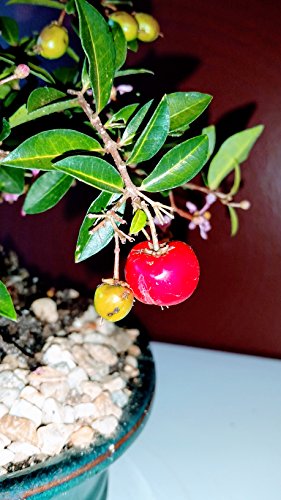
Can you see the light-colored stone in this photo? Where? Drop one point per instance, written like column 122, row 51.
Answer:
column 45, row 374
column 56, row 390
column 22, row 374
column 6, row 456
column 11, row 361
column 68, row 414
column 106, row 327
column 131, row 371
column 8, row 396
column 53, row 437
column 75, row 338
column 18, row 429
column 85, row 411
column 101, row 354
column 3, row 409
column 120, row 341
column 52, row 412
column 133, row 333
column 23, row 408
column 55, row 354
column 45, row 309
column 32, row 395
column 106, row 425
column 94, row 338
column 114, row 383
column 134, row 350
column 22, row 451
column 95, row 370
column 3, row 471
column 9, row 380
column 89, row 316
column 104, row 406
column 76, row 377
column 4, row 441
column 83, row 437
column 120, row 398
column 92, row 389
column 132, row 361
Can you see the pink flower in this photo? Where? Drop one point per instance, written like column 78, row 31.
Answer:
column 201, row 217
column 9, row 197
column 164, row 224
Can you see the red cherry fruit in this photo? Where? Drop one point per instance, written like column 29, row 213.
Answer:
column 164, row 278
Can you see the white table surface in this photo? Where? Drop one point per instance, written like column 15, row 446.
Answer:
column 214, row 432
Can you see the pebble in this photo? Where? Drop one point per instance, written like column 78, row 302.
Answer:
column 23, row 408
column 114, row 383
column 84, row 411
column 3, row 409
column 52, row 412
column 56, row 354
column 8, row 396
column 106, row 426
column 83, row 437
column 134, row 350
column 76, row 377
column 68, row 414
column 104, row 406
column 3, row 471
column 6, row 456
column 4, row 441
column 120, row 341
column 32, row 395
column 22, row 451
column 9, row 380
column 53, row 437
column 56, row 390
column 120, row 398
column 11, row 361
column 18, row 429
column 92, row 389
column 102, row 354
column 45, row 309
column 44, row 374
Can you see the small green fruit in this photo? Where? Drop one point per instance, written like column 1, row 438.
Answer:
column 128, row 24
column 53, row 41
column 149, row 28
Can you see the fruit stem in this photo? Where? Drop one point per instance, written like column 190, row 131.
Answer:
column 153, row 231
column 116, row 257
column 177, row 210
column 61, row 18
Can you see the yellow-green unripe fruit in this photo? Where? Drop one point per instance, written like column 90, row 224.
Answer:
column 113, row 302
column 53, row 41
column 128, row 24
column 149, row 28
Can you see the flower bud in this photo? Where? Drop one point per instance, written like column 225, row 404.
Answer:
column 22, row 71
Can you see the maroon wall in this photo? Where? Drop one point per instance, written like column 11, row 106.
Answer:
column 232, row 51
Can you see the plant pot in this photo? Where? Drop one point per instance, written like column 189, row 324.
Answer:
column 84, row 474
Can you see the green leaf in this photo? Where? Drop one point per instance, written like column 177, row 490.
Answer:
column 21, row 116
column 5, row 89
column 120, row 45
column 46, row 192
column 11, row 180
column 44, row 3
column 98, row 45
column 89, row 244
column 40, row 72
column 85, row 76
column 132, row 71
column 185, row 107
column 37, row 152
column 211, row 134
column 66, row 74
column 234, row 221
column 153, row 136
column 237, row 180
column 6, row 130
column 178, row 166
column 233, row 151
column 134, row 124
column 122, row 115
column 139, row 222
column 9, row 30
column 8, row 58
column 71, row 53
column 42, row 96
column 133, row 45
column 93, row 171
column 6, row 305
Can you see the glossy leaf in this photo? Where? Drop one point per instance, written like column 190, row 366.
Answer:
column 42, row 96
column 11, row 180
column 233, row 151
column 6, row 130
column 5, row 89
column 40, row 72
column 120, row 45
column 185, row 107
column 132, row 71
column 38, row 151
column 139, row 222
column 122, row 116
column 98, row 45
column 134, row 124
column 178, row 166
column 44, row 3
column 85, row 76
column 237, row 180
column 6, row 305
column 21, row 116
column 46, row 192
column 66, row 75
column 88, row 243
column 153, row 136
column 93, row 171
column 211, row 134
column 9, row 30
column 234, row 221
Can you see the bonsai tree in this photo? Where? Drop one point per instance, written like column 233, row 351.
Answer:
column 136, row 153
